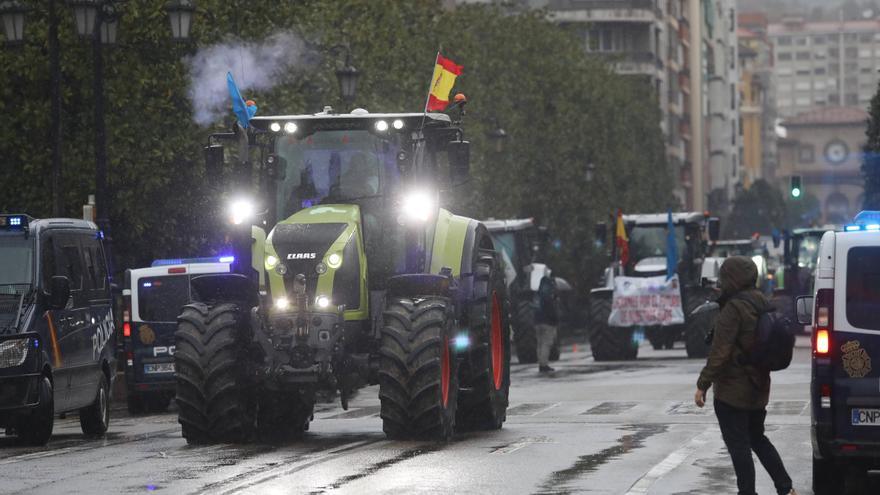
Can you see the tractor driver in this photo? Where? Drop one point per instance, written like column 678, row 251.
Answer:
column 360, row 179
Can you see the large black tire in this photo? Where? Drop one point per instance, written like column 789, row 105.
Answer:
column 828, row 477
column 695, row 328
column 214, row 396
column 524, row 337
column 418, row 386
column 485, row 378
column 656, row 337
column 284, row 416
column 36, row 427
column 609, row 343
column 95, row 419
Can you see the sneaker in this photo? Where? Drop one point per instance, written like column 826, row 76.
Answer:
column 792, row 492
column 545, row 369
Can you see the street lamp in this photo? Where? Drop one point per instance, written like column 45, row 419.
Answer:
column 85, row 12
column 588, row 176
column 12, row 15
column 497, row 136
column 180, row 13
column 347, row 76
column 108, row 26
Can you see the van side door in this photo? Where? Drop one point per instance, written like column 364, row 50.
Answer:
column 61, row 345
column 99, row 325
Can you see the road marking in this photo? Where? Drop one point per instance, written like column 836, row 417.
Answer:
column 519, row 444
column 88, row 445
column 672, row 461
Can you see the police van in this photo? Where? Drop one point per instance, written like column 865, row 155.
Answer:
column 153, row 298
column 844, row 312
column 57, row 332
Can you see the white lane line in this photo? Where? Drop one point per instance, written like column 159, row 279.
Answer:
column 551, row 406
column 672, row 461
column 519, row 444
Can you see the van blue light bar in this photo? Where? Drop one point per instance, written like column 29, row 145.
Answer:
column 856, row 228
column 187, row 261
column 14, row 222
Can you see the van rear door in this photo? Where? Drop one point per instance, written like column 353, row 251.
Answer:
column 855, row 339
column 156, row 303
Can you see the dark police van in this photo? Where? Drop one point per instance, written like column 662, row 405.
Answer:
column 153, row 298
column 57, row 339
column 844, row 312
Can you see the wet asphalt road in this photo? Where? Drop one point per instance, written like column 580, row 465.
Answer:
column 619, row 428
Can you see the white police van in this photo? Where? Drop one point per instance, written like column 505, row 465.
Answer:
column 844, row 312
column 153, row 298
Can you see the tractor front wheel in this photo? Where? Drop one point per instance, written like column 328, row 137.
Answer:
column 696, row 327
column 609, row 343
column 418, row 386
column 215, row 399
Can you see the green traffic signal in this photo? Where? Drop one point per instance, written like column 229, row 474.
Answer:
column 795, row 193
column 795, row 186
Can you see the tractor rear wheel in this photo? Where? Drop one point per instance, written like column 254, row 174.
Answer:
column 486, row 377
column 214, row 396
column 609, row 343
column 418, row 386
column 524, row 337
column 696, row 327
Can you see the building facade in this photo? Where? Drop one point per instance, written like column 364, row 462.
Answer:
column 824, row 147
column 825, row 63
column 757, row 90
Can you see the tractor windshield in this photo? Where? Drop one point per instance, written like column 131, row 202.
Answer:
column 335, row 167
column 649, row 241
column 807, row 250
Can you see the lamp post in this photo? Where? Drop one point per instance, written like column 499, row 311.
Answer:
column 97, row 21
column 497, row 136
column 588, row 174
column 347, row 77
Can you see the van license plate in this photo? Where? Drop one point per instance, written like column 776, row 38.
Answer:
column 159, row 368
column 866, row 417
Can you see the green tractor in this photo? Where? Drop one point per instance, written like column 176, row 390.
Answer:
column 697, row 274
column 361, row 278
column 523, row 245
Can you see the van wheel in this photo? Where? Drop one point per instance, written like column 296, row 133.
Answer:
column 36, row 428
column 827, row 477
column 95, row 418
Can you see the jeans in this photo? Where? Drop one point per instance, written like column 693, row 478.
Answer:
column 545, row 335
column 743, row 432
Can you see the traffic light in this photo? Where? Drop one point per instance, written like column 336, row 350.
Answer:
column 796, row 186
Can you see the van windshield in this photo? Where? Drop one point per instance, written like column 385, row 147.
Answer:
column 160, row 299
column 863, row 287
column 16, row 260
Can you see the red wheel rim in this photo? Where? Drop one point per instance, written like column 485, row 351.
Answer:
column 496, row 342
column 444, row 372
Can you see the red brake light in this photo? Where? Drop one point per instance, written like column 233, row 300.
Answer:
column 825, row 390
column 126, row 329
column 177, row 269
column 822, row 342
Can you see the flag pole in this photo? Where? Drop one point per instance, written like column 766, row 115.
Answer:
column 430, row 87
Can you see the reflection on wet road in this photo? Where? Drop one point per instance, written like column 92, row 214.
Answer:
column 616, row 428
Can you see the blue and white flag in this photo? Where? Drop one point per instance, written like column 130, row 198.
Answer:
column 671, row 247
column 243, row 110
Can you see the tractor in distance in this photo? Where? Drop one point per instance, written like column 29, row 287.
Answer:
column 523, row 246
column 346, row 271
column 647, row 258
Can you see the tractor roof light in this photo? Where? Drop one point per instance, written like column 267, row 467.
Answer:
column 397, row 124
column 381, row 125
column 282, row 303
column 275, row 127
column 323, row 302
column 290, row 127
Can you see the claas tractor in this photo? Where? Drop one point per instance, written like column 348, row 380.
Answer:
column 647, row 247
column 346, row 271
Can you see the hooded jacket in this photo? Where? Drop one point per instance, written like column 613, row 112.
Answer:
column 739, row 385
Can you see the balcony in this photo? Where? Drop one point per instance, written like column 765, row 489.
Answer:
column 633, row 63
column 639, row 11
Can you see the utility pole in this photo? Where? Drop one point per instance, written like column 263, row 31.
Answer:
column 695, row 56
column 55, row 110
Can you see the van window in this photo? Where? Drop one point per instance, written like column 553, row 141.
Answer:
column 863, row 287
column 160, row 298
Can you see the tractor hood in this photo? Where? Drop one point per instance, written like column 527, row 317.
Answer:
column 323, row 243
column 651, row 266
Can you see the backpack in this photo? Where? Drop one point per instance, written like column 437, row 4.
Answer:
column 774, row 340
column 545, row 304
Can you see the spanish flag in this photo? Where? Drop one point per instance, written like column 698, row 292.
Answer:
column 622, row 240
column 445, row 72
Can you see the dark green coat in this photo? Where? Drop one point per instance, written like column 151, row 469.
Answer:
column 738, row 385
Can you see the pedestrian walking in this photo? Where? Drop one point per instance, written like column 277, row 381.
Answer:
column 546, row 319
column 741, row 390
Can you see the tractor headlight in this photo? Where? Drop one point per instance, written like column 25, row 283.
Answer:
column 282, row 303
column 271, row 262
column 13, row 352
column 418, row 205
column 241, row 210
column 334, row 261
column 323, row 302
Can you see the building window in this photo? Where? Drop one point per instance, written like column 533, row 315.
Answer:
column 852, row 52
column 866, row 70
column 802, row 101
column 819, row 70
column 800, row 41
column 802, row 86
column 806, row 153
column 803, row 55
column 803, row 72
column 784, row 57
column 819, row 40
column 784, row 41
column 865, row 38
column 865, row 53
column 852, row 99
column 833, row 98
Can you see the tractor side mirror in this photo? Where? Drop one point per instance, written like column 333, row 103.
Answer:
column 59, row 291
column 601, row 234
column 714, row 229
column 459, row 161
column 276, row 167
column 214, row 162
